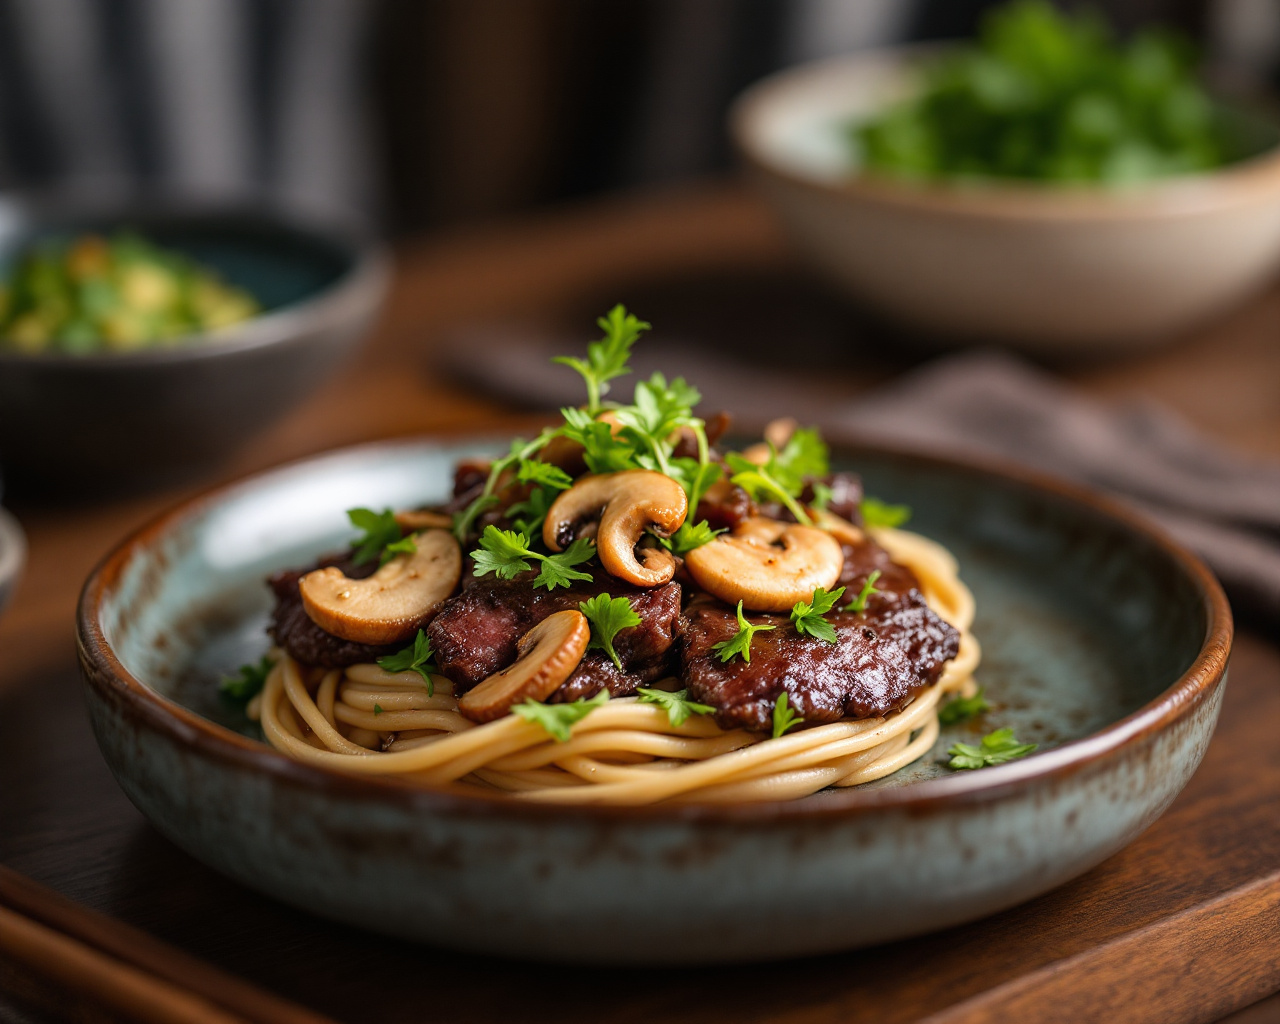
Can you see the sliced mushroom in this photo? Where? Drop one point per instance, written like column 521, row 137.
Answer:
column 840, row 528
column 411, row 520
column 392, row 604
column 627, row 504
column 766, row 564
column 547, row 656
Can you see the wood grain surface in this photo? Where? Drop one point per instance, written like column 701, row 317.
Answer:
column 1183, row 925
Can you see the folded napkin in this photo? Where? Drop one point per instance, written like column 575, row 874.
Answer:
column 1223, row 506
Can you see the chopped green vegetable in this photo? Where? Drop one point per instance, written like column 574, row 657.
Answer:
column 1054, row 97
column 740, row 645
column 960, row 709
column 783, row 717
column 608, row 617
column 506, row 553
column 877, row 513
column 608, row 357
column 120, row 294
column 807, row 616
column 414, row 658
column 558, row 719
column 248, row 680
column 859, row 603
column 996, row 748
column 677, row 704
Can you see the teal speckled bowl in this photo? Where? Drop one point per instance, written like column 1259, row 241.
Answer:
column 1103, row 642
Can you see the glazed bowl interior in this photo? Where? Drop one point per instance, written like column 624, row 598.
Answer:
column 1082, row 618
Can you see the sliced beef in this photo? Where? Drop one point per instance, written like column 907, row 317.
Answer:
column 475, row 634
column 860, row 676
column 883, row 657
column 293, row 629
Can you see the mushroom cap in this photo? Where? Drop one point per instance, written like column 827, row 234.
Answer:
column 628, row 503
column 766, row 564
column 395, row 602
column 547, row 656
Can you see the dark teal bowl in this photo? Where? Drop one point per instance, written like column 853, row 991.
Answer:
column 122, row 419
column 1103, row 641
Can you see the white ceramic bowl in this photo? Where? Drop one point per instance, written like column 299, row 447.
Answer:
column 1043, row 268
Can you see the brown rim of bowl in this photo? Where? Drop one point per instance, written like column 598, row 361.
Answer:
column 104, row 672
column 1232, row 185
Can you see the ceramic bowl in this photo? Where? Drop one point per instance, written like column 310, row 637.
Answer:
column 152, row 415
column 1042, row 268
column 13, row 556
column 1104, row 642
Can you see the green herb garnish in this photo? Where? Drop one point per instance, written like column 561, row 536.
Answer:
column 822, row 495
column 506, row 553
column 807, row 616
column 608, row 617
column 381, row 535
column 740, row 645
column 607, row 358
column 414, row 658
column 1051, row 96
column 677, row 704
column 877, row 513
column 961, row 709
column 377, row 710
column 558, row 719
column 689, row 537
column 783, row 717
column 248, row 680
column 859, row 603
column 996, row 748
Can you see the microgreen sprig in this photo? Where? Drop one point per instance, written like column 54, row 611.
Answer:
column 381, row 536
column 414, row 658
column 783, row 717
column 607, row 358
column 996, row 748
column 557, row 720
column 859, row 603
column 740, row 644
column 807, row 616
column 248, row 680
column 506, row 554
column 961, row 709
column 677, row 704
column 608, row 617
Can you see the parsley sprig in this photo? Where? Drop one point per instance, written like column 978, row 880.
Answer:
column 558, row 719
column 996, row 748
column 506, row 553
column 961, row 709
column 381, row 536
column 520, row 452
column 677, row 704
column 548, row 480
column 740, row 645
column 608, row 617
column 807, row 616
column 248, row 680
column 878, row 513
column 783, row 717
column 414, row 658
column 859, row 603
column 607, row 358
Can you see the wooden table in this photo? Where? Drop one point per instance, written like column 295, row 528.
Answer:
column 1184, row 925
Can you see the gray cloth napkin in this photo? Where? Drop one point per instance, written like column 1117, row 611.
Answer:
column 1223, row 506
